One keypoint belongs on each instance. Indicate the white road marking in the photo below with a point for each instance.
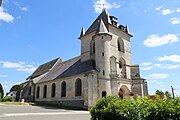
(50, 113)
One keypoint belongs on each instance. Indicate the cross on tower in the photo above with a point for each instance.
(103, 6)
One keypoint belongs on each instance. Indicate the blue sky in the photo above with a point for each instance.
(35, 32)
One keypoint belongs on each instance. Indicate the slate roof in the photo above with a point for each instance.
(78, 68)
(61, 69)
(104, 16)
(107, 20)
(102, 28)
(58, 69)
(44, 68)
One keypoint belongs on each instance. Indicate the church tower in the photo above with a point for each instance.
(107, 44)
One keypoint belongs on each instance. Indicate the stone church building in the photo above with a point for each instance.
(103, 68)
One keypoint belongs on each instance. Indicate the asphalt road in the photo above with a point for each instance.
(40, 113)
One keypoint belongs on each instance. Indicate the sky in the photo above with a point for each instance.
(35, 32)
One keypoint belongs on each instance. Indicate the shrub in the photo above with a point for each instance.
(8, 99)
(113, 108)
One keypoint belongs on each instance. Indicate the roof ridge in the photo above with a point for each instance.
(70, 59)
(51, 61)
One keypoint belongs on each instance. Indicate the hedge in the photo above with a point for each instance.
(113, 108)
(8, 99)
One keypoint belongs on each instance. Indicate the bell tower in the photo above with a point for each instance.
(106, 43)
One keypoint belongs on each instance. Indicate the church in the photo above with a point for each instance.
(103, 68)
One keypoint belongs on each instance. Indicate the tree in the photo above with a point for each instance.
(1, 91)
(15, 88)
(159, 92)
(168, 95)
(0, 97)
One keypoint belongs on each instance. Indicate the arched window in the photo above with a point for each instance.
(104, 94)
(45, 91)
(103, 72)
(29, 90)
(121, 93)
(120, 65)
(53, 90)
(78, 87)
(63, 89)
(37, 92)
(94, 47)
(120, 45)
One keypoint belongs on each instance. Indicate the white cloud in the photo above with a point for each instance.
(157, 76)
(150, 66)
(175, 20)
(178, 10)
(101, 4)
(166, 66)
(155, 40)
(158, 8)
(158, 84)
(172, 58)
(19, 66)
(4, 16)
(153, 81)
(2, 75)
(24, 9)
(166, 11)
(146, 66)
(145, 63)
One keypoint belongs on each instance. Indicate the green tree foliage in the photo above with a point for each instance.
(1, 91)
(168, 95)
(8, 99)
(0, 97)
(113, 108)
(15, 88)
(159, 92)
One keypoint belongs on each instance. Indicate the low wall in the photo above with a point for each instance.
(72, 103)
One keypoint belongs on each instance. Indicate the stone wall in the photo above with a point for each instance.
(70, 91)
(71, 103)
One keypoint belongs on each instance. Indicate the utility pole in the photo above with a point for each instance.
(172, 91)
